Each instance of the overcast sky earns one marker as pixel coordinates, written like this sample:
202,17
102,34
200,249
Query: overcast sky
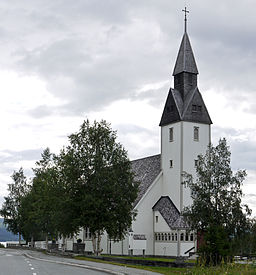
64,61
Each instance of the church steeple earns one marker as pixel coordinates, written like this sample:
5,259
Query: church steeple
184,102
185,71
185,61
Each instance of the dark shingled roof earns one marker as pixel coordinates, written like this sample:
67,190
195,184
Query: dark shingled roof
185,61
183,110
178,108
146,170
170,213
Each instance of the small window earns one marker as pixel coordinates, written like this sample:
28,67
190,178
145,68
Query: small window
196,133
162,235
176,237
171,163
199,108
196,162
170,134
156,219
182,236
165,237
194,108
191,237
172,237
169,236
186,238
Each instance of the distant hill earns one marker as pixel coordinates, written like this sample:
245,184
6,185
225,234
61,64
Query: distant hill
6,235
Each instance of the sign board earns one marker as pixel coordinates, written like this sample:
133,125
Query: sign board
137,241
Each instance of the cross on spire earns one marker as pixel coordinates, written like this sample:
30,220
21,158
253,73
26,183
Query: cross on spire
185,11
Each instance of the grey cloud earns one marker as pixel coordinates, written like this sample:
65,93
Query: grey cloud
7,156
41,111
243,153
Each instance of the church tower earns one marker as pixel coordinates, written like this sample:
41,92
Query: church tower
185,126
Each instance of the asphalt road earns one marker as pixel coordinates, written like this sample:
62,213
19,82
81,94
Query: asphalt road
14,262
31,262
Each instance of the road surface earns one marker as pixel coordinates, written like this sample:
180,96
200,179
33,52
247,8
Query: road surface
15,262
27,262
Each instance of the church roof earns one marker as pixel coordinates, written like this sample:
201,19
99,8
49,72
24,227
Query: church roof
185,61
170,213
146,170
191,109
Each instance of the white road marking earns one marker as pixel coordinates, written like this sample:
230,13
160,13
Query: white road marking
32,268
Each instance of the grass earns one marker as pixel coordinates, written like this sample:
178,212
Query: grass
230,269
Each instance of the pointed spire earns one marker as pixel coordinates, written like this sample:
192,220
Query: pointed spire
185,61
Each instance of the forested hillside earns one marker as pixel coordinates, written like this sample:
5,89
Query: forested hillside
6,235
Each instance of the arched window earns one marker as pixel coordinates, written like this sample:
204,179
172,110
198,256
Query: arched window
169,236
196,133
162,236
191,237
186,237
156,236
182,237
172,236
176,237
165,237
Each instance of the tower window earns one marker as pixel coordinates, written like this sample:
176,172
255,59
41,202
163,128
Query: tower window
171,163
171,134
196,133
156,219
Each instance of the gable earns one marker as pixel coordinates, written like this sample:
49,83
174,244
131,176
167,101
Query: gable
172,109
170,213
195,109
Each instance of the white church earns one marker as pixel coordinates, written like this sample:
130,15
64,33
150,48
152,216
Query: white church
159,228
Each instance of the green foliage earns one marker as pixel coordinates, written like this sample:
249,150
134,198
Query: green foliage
11,206
89,184
217,212
38,207
99,171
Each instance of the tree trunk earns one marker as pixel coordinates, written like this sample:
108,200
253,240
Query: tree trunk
19,239
46,242
63,248
32,242
94,244
98,243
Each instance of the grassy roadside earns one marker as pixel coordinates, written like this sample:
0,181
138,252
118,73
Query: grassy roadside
231,269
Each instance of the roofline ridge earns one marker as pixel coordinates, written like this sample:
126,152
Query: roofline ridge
191,96
174,98
146,157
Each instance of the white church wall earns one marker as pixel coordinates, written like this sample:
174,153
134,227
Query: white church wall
160,223
191,150
144,219
165,249
170,151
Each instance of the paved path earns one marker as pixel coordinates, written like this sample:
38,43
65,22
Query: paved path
109,268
